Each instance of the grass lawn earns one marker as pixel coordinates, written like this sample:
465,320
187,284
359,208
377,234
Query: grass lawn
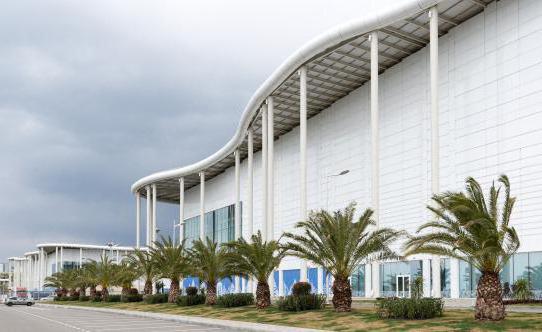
358,320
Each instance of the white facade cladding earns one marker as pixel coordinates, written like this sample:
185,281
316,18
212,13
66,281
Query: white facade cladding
29,272
489,123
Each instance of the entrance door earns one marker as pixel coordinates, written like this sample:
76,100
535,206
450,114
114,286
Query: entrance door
402,285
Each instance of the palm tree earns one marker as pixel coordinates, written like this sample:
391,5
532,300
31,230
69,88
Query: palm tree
105,271
340,245
475,229
125,275
90,275
208,260
84,278
255,259
142,259
171,262
58,281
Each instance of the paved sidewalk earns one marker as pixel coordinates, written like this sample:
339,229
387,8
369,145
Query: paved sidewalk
211,322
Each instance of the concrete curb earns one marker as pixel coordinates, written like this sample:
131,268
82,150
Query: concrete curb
231,324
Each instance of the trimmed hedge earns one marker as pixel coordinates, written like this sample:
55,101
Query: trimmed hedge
131,298
301,288
399,308
515,301
189,300
113,298
235,300
302,302
61,298
191,291
156,298
84,298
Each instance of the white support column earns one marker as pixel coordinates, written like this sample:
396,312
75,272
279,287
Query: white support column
426,275
368,280
80,257
181,210
138,218
154,227
41,268
149,213
375,153
263,227
320,280
237,210
303,156
270,169
454,278
56,260
433,54
281,283
250,184
202,206
61,259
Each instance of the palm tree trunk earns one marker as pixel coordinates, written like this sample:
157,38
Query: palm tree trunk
92,293
263,295
173,291
210,299
148,287
105,293
489,305
82,292
342,295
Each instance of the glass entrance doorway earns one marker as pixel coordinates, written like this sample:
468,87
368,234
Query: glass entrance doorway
403,285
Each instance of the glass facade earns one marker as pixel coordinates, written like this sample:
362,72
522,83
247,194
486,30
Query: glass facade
312,278
445,281
391,272
526,265
219,226
289,278
357,280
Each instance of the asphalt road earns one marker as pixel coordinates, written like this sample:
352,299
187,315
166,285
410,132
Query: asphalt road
43,319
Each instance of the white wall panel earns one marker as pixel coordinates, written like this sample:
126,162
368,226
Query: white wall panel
490,123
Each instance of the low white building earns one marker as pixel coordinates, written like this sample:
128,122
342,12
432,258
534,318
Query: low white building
29,272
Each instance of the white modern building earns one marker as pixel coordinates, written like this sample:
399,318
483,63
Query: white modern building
29,272
385,111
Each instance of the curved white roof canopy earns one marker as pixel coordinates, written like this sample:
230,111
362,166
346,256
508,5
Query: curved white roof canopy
51,246
337,63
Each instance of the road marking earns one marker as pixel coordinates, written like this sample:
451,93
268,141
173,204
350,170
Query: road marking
147,327
53,320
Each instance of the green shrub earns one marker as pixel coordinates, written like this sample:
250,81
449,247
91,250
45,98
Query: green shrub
399,308
62,298
235,300
156,298
302,302
131,298
522,290
84,298
301,288
72,298
188,300
113,298
191,291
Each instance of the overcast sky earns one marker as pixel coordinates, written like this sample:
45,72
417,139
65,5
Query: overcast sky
96,94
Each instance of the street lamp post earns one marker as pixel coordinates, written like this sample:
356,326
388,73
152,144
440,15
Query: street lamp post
343,172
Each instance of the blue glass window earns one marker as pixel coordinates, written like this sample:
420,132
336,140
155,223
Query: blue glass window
289,278
445,277
312,278
357,281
